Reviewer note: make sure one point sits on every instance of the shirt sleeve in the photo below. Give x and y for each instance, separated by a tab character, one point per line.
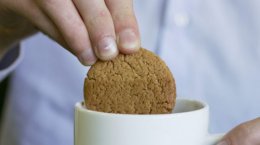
10	61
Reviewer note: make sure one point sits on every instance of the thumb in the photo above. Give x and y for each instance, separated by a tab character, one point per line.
247	133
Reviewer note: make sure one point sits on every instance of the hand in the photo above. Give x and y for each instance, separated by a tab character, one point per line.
90	29
247	133
13	28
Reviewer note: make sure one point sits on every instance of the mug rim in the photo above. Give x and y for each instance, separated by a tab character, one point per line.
204	106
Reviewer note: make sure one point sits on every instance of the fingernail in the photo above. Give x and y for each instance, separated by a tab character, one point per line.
222	143
87	57
128	40
107	48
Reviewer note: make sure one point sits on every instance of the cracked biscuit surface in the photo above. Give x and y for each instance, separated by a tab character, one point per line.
140	83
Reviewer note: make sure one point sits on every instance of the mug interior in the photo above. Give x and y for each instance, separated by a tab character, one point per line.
182	106
187	105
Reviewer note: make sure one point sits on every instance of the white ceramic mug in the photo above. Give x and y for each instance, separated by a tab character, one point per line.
187	125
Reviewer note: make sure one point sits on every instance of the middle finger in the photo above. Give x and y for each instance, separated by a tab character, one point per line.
100	25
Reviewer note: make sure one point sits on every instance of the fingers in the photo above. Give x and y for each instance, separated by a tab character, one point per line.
30	10
125	23
86	26
245	134
65	16
100	27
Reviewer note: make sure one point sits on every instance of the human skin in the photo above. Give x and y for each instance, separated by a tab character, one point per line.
89	29
247	133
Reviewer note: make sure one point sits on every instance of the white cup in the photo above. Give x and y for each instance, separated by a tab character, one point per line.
187	125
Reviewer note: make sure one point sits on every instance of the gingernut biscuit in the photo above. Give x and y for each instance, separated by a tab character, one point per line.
140	83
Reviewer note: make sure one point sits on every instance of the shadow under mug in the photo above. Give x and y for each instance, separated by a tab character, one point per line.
187	125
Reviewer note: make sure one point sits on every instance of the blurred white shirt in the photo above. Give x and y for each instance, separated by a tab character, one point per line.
211	47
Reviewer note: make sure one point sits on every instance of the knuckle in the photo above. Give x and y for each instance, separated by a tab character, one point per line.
123	21
100	25
77	25
99	18
245	132
77	44
46	1
244	128
229	141
123	17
